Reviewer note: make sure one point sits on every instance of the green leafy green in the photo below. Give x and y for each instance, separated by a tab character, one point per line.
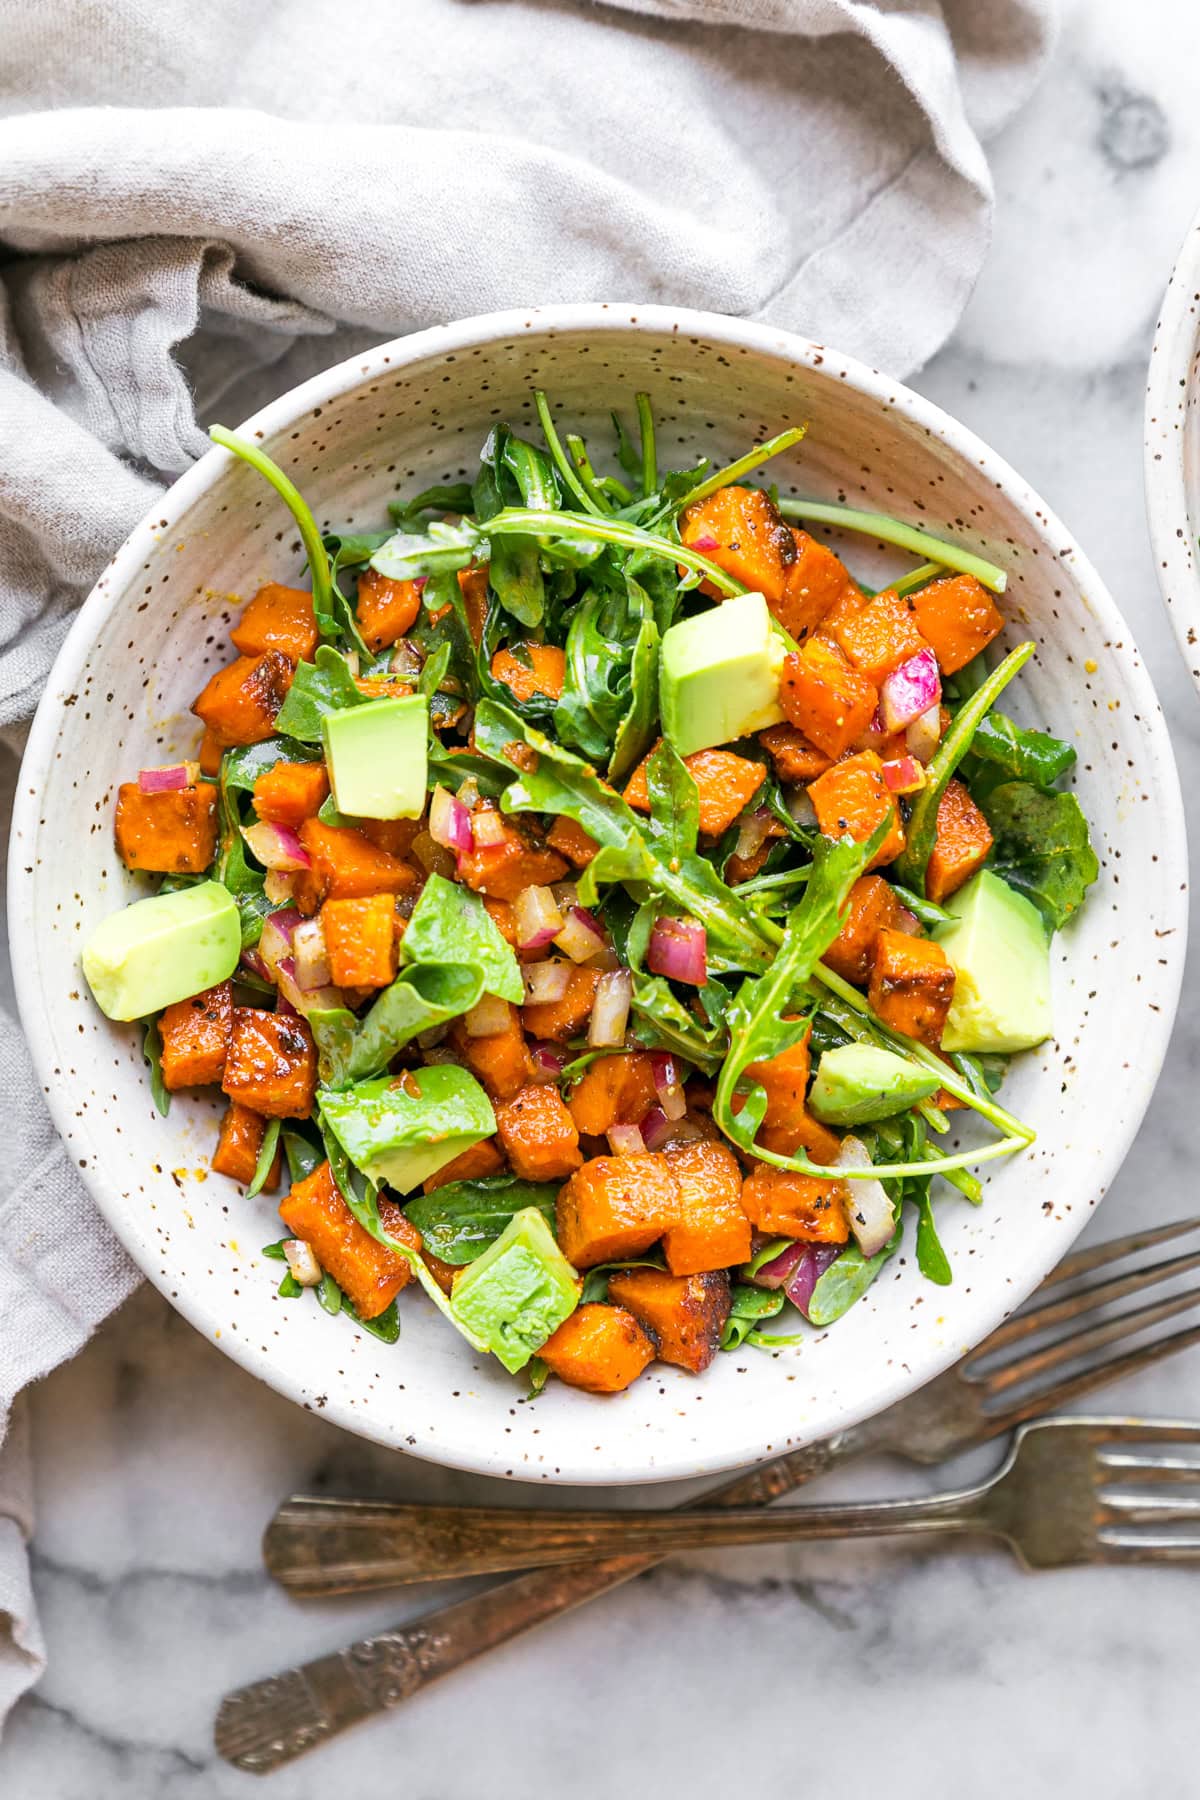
385	1325
459	1221
450	924
318	688
246	883
421	997
1042	848
329	1295
275	1252
846	1281
596	1279
289	1288
905	537
242	767
289	493
438	550
748	1305
932	1260
152	1052
303	1156
443	497
266	1156
1014	753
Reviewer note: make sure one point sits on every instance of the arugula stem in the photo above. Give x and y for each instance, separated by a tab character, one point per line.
760	884
561	460
583	468
934	1165
649	453
293	499
917	577
905	537
734	471
516	521
928	911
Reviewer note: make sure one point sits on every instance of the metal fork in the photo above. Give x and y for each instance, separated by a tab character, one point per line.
321	1546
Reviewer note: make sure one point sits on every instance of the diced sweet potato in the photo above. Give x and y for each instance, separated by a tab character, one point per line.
393	835
711	1230
961	846
795	759
879	635
171	834
539	1135
686	1314
346	865
872	907
475	1164
501	1061
601	1349
823	697
239	1144
752	543
385	609
781	1203
195	1037
816	582
473	585
360	940
724	784
503	869
562	1019
500	912
614	1208
278	618
529	669
369	1273
852	800
614	1090
289	793
787	1124
210	754
572	841
239	703
912	985
957	617
272	1064
443	1273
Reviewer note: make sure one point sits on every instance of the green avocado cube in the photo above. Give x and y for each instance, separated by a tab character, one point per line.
400	1131
998	946
163	949
857	1083
518	1292
378	757
719	675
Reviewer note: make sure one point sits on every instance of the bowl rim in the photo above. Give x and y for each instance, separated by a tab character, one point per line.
480	330
1165	488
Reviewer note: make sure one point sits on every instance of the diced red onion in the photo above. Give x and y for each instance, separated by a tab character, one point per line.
487	1019
276	846
678	949
925	734
277	934
172	778
312	961
582	935
450	822
303	1266
406	659
488	830
468	793
284	1007
548	1061
252	960
626	1140
322	999
705	542
667	1084
872	1218
610	1010
905	775
910	690
777	1272
352	661
809	1267
655	1128
753	834
536	918
546	982
801	808
280	886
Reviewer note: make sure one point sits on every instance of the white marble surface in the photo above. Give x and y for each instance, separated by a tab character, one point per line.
848	1671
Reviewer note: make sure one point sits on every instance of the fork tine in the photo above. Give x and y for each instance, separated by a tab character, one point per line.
1087	1380
1088	1337
1150	1509
1146	1549
1082	1262
1159	1469
1101	1293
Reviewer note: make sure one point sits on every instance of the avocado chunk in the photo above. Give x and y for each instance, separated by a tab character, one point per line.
401	1131
719	675
163	949
1001	956
859	1082
518	1292
377	756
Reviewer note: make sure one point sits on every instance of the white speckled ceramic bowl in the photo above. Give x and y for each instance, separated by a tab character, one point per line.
413	412
1172	448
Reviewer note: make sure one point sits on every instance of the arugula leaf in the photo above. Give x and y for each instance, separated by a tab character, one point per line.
289	493
289	1288
1043	848
846	1281
596	1279
245	883
385	1325
450	924
1014	753
444	497
514	469
674	802
932	1260
266	1156
439	550
152	1051
275	1251
459	1221
660	1021
302	1155
635	733
318	688
329	1295
748	1304
421	997
242	767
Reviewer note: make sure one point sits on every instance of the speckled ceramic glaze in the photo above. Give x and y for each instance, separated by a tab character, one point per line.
414	412
1172	448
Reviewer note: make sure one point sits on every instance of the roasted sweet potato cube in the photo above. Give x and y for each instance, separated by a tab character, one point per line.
711	1231
501	1061
601	1349
500	912
239	703
278	618
473	585
614	1090
170	834
529	669
562	1019
724	784
210	753
539	1135
503	869
475	1164
912	985
879	635
741	531
239	1144
787	1124
443	1272
795	759
385	609
369	1273
781	1203
272	1063
195	1037
360	940
685	1314
872	907
852	800
958	618
346	865
615	1207
289	793
961	846
817	581
824	698
572	841
396	836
